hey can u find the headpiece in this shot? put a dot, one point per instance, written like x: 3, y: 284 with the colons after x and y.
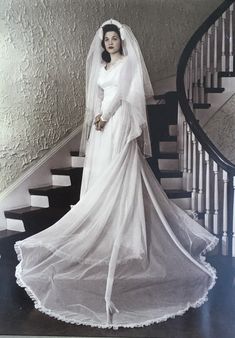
x: 112, y: 22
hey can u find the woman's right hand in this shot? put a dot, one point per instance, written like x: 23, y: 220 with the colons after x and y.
x: 97, y: 120
x: 99, y: 123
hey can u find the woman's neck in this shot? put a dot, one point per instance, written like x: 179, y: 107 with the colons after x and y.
x: 114, y: 58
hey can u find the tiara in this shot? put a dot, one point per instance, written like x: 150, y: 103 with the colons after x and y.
x: 112, y: 22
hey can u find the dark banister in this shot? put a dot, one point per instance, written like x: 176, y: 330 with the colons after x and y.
x: 206, y: 143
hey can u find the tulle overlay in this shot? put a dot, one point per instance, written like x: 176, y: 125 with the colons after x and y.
x: 124, y: 255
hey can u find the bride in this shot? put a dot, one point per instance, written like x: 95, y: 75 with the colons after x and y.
x: 124, y: 255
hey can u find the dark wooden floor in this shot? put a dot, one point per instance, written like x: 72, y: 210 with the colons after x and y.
x: 215, y: 319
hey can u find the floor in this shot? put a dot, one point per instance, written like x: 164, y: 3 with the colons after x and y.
x: 18, y: 317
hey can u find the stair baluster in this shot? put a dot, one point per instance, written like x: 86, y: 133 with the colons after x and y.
x: 195, y: 84
x: 208, y: 194
x: 233, y: 220
x: 208, y: 59
x: 201, y: 207
x: 201, y: 85
x: 223, y: 56
x: 225, y: 215
x: 189, y: 158
x: 194, y: 179
x: 216, y: 229
x: 185, y: 171
x: 215, y: 70
x: 231, y: 38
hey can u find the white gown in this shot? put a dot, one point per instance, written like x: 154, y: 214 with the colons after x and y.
x: 124, y: 255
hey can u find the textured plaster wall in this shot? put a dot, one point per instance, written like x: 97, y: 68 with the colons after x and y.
x: 221, y: 129
x: 43, y: 47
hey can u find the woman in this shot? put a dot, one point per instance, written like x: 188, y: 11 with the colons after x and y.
x: 124, y: 255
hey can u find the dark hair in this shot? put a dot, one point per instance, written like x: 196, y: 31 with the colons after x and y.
x: 109, y: 28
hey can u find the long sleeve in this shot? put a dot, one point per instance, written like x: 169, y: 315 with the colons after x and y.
x: 110, y: 109
x: 100, y: 99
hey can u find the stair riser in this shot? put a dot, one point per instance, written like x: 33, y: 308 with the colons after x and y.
x: 168, y: 164
x: 171, y: 183
x: 173, y: 130
x: 15, y: 225
x: 77, y: 162
x: 39, y: 201
x: 168, y: 147
x: 183, y: 203
x: 63, y: 180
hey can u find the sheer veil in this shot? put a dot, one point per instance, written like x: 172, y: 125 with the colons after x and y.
x: 124, y: 255
x: 135, y: 87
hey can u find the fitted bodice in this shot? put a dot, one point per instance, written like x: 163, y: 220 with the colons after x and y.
x: 108, y: 80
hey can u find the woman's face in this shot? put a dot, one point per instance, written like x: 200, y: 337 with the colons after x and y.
x: 112, y: 42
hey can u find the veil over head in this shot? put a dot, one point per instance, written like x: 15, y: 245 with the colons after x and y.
x: 135, y: 87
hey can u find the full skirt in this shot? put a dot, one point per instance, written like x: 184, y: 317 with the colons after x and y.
x: 125, y: 255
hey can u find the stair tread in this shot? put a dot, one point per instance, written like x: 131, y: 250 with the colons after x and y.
x: 214, y: 90
x: 23, y: 210
x: 168, y: 138
x: 177, y: 193
x: 170, y: 173
x: 226, y: 74
x: 168, y: 155
x: 74, y: 153
x: 66, y: 169
x: 201, y: 105
x: 37, y: 218
x: 48, y: 188
x: 19, y: 213
x: 161, y: 96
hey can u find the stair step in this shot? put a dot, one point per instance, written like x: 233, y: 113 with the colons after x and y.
x: 184, y: 203
x: 168, y: 138
x: 166, y: 163
x: 47, y: 190
x: 214, y: 90
x: 171, y: 183
x: 66, y: 171
x: 74, y: 152
x: 33, y: 219
x: 61, y: 180
x: 70, y: 176
x: 166, y: 146
x: 54, y: 196
x: 170, y: 173
x: 159, y: 97
x: 178, y: 193
x: 20, y: 212
x: 201, y: 105
x: 169, y: 155
x: 226, y: 74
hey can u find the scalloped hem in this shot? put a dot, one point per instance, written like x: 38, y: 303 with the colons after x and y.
x: 55, y: 315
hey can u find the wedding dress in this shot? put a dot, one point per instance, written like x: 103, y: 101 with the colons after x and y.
x: 124, y: 255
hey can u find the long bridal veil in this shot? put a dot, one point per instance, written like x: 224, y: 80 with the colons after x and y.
x: 124, y: 255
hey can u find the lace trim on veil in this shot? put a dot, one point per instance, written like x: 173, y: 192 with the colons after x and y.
x: 53, y: 314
